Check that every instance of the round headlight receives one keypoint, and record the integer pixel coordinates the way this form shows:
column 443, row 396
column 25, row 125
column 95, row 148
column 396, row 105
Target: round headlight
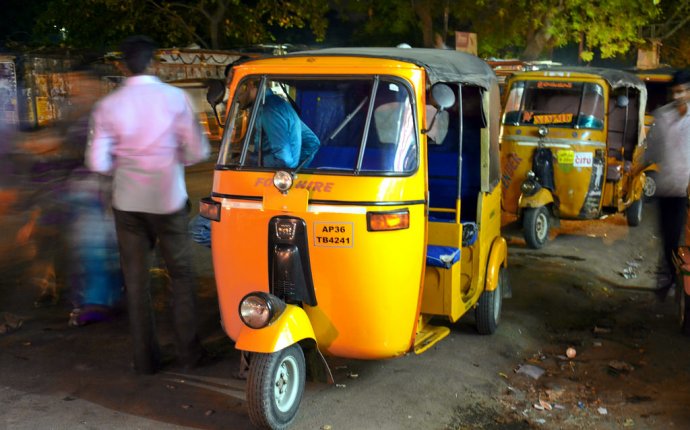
column 258, row 309
column 543, row 131
column 282, row 180
column 528, row 187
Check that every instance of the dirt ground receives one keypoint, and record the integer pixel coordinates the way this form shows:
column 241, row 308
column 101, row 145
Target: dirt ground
column 630, row 368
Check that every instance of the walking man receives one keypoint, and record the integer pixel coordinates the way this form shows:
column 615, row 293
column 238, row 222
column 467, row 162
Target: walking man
column 143, row 134
column 669, row 146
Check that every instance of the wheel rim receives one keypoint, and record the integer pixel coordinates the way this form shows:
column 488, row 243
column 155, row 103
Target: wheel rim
column 286, row 383
column 649, row 186
column 541, row 226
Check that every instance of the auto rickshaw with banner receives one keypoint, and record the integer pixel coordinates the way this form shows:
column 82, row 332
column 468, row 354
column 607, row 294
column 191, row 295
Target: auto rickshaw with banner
column 572, row 147
column 394, row 220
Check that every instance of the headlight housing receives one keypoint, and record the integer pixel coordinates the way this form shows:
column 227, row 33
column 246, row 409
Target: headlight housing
column 259, row 309
column 531, row 185
column 282, row 180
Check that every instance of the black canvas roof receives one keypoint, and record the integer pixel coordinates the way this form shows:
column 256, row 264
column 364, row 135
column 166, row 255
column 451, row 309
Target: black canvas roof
column 441, row 65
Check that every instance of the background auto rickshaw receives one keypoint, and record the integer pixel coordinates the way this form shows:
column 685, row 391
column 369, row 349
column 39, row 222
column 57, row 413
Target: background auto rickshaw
column 572, row 147
column 658, row 84
column 395, row 220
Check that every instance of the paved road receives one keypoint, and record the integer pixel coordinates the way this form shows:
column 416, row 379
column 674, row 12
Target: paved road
column 630, row 370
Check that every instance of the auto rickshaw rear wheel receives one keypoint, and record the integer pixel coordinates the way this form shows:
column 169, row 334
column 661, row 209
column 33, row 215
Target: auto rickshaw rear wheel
column 535, row 226
column 275, row 386
column 634, row 213
column 488, row 311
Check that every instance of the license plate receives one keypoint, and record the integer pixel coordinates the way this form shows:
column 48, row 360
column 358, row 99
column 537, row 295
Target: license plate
column 334, row 234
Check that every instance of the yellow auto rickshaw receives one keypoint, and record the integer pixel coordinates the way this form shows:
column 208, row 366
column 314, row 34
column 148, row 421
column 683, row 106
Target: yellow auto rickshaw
column 572, row 147
column 658, row 84
column 393, row 221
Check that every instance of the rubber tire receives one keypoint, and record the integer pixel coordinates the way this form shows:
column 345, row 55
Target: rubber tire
column 532, row 218
column 264, row 410
column 488, row 311
column 634, row 213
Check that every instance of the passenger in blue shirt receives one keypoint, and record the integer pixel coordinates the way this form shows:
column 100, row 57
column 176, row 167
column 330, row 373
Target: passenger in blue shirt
column 287, row 140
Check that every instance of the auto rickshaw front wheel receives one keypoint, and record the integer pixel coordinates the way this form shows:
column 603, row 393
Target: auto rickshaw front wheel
column 634, row 213
column 275, row 386
column 488, row 310
column 535, row 226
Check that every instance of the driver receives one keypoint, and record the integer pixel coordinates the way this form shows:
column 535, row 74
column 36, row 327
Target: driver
column 287, row 141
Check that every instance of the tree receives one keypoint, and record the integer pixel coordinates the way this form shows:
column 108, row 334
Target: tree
column 528, row 28
column 671, row 32
column 611, row 26
column 211, row 24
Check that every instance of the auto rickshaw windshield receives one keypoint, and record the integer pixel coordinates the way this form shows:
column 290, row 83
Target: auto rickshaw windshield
column 555, row 103
column 363, row 125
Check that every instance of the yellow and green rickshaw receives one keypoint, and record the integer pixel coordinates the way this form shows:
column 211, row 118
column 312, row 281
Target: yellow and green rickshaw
column 572, row 147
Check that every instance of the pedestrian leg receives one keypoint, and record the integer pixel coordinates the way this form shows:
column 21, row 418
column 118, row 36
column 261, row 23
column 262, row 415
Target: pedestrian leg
column 136, row 243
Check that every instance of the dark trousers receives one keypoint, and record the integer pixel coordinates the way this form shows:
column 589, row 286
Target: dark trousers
column 137, row 234
column 673, row 212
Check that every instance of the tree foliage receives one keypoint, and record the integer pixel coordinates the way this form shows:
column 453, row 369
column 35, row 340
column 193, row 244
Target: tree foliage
column 211, row 24
column 527, row 28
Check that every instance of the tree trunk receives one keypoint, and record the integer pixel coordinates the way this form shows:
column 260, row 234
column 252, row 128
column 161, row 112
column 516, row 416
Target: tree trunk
column 423, row 11
column 214, row 22
column 537, row 42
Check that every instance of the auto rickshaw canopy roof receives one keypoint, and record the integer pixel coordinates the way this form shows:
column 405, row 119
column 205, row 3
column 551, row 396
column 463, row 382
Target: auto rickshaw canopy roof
column 615, row 78
column 440, row 65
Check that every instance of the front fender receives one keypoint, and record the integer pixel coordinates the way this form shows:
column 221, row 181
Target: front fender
column 291, row 327
column 541, row 198
column 498, row 256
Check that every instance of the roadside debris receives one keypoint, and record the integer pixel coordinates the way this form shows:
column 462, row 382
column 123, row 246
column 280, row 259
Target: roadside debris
column 632, row 268
column 9, row 323
column 534, row 372
column 570, row 352
column 618, row 366
column 601, row 330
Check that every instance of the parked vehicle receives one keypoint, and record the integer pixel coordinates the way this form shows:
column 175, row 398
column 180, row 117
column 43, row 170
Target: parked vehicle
column 658, row 83
column 572, row 147
column 394, row 221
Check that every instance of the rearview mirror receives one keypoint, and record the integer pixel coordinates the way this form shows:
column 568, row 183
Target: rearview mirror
column 622, row 101
column 215, row 92
column 214, row 95
column 443, row 96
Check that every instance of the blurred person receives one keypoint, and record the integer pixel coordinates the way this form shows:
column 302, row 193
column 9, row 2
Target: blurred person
column 288, row 142
column 143, row 134
column 669, row 147
column 45, row 166
column 94, row 272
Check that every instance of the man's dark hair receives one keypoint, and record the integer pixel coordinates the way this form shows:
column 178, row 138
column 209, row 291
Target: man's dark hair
column 681, row 77
column 138, row 53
